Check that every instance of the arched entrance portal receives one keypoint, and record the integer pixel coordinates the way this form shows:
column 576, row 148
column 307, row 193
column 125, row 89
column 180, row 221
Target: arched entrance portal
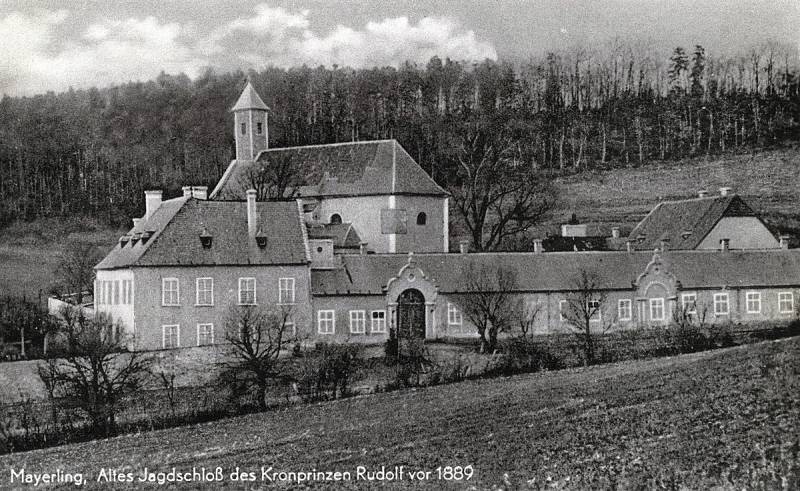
column 411, row 314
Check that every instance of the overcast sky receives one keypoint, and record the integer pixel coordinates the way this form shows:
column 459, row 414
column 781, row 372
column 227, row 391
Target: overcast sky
column 52, row 45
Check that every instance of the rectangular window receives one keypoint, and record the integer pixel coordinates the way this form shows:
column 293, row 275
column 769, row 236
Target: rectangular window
column 116, row 292
column 326, row 321
column 689, row 303
column 244, row 128
column 98, row 298
column 286, row 290
column 624, row 310
column 657, row 309
column 753, row 302
column 170, row 294
column 786, row 302
column 205, row 291
column 124, row 295
column 171, row 336
column 358, row 322
column 259, row 128
column 109, row 292
column 289, row 328
column 721, row 304
column 593, row 309
column 247, row 291
column 453, row 315
column 562, row 310
column 205, row 334
column 378, row 321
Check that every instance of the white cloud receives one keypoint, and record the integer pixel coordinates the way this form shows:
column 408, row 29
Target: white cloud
column 43, row 50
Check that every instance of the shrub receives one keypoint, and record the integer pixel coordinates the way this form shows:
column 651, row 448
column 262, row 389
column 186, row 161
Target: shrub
column 523, row 355
column 390, row 347
column 329, row 371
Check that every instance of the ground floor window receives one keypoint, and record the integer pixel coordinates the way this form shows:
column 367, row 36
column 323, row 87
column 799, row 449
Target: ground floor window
column 721, row 304
column 753, row 302
column 657, row 309
column 689, row 303
column 453, row 315
column 171, row 336
column 326, row 321
column 205, row 334
column 624, row 311
column 786, row 302
column 358, row 322
column 378, row 321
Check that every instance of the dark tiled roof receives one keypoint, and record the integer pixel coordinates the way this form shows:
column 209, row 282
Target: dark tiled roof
column 340, row 169
column 177, row 225
column 249, row 99
column 557, row 271
column 686, row 223
column 343, row 234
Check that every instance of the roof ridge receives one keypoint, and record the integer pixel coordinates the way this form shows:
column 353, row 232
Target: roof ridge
column 336, row 144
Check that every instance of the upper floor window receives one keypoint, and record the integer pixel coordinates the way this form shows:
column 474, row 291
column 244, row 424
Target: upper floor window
column 453, row 315
column 205, row 334
column 689, row 303
column 244, row 128
column 657, row 309
column 562, row 310
column 358, row 322
column 326, row 321
column 170, row 292
column 422, row 218
column 721, row 304
column 786, row 302
column 286, row 290
column 205, row 291
column 624, row 311
column 170, row 336
column 378, row 321
column 336, row 218
column 260, row 128
column 753, row 301
column 247, row 291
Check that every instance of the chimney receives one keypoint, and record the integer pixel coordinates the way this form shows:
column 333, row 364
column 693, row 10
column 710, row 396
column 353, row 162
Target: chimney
column 463, row 246
column 784, row 241
column 252, row 215
column 187, row 191
column 362, row 248
column 702, row 193
column 137, row 223
column 152, row 200
column 725, row 191
column 615, row 232
column 724, row 245
column 538, row 248
column 629, row 245
column 664, row 244
column 200, row 192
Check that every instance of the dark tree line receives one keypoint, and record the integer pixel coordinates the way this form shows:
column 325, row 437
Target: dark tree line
column 94, row 151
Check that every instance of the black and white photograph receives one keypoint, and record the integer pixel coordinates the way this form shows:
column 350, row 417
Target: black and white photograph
column 402, row 244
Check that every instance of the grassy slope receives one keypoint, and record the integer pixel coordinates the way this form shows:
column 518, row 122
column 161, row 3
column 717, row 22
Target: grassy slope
column 715, row 418
column 769, row 181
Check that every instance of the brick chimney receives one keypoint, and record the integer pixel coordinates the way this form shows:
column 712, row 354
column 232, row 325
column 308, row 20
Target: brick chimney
column 152, row 200
column 463, row 246
column 615, row 232
column 784, row 241
column 724, row 245
column 200, row 192
column 702, row 193
column 629, row 245
column 187, row 191
column 252, row 213
column 538, row 246
column 137, row 224
column 725, row 191
column 362, row 248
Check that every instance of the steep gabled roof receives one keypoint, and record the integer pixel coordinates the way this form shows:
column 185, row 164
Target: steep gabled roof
column 340, row 169
column 687, row 222
column 249, row 99
column 557, row 271
column 177, row 225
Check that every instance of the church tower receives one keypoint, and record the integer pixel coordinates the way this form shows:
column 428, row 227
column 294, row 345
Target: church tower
column 250, row 124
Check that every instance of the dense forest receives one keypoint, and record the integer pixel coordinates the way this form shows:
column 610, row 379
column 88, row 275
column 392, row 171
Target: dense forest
column 94, row 151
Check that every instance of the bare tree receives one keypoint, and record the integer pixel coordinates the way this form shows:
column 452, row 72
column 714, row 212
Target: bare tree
column 275, row 177
column 91, row 369
column 489, row 304
column 257, row 336
column 75, row 269
column 497, row 194
column 583, row 311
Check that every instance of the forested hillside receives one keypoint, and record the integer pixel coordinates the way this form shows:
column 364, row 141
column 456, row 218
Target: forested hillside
column 94, row 151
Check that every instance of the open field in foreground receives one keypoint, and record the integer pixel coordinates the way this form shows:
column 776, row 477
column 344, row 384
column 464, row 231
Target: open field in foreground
column 726, row 418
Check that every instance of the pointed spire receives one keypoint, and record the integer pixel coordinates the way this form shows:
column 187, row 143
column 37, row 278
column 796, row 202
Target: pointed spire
column 249, row 99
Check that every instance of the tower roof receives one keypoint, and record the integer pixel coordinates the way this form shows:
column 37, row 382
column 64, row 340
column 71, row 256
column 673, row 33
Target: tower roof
column 249, row 100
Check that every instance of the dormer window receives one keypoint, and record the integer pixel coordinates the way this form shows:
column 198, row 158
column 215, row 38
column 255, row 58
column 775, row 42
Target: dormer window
column 422, row 218
column 261, row 239
column 135, row 238
column 336, row 219
column 146, row 236
column 205, row 239
column 124, row 240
